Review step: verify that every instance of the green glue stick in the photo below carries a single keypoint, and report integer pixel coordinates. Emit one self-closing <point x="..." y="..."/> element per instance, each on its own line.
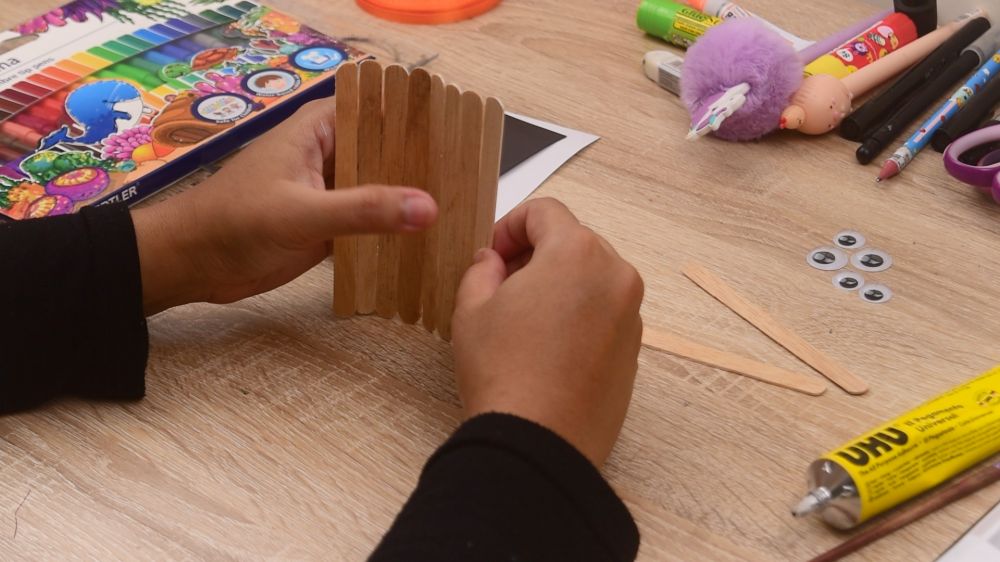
<point x="673" y="22"/>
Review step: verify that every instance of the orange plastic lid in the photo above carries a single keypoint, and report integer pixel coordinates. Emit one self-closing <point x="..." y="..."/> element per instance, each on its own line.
<point x="427" y="11"/>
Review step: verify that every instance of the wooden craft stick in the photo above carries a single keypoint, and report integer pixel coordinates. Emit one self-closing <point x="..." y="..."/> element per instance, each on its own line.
<point x="466" y="186"/>
<point x="489" y="173"/>
<point x="929" y="502"/>
<point x="413" y="130"/>
<point x="346" y="176"/>
<point x="435" y="178"/>
<point x="780" y="334"/>
<point x="395" y="86"/>
<point x="369" y="171"/>
<point x="449" y="204"/>
<point x="732" y="362"/>
<point x="417" y="154"/>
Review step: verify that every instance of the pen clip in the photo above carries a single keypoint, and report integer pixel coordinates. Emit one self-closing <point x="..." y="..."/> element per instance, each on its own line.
<point x="722" y="108"/>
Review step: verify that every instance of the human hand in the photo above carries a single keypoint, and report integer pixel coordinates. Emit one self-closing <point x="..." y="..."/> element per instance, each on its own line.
<point x="264" y="219"/>
<point x="547" y="328"/>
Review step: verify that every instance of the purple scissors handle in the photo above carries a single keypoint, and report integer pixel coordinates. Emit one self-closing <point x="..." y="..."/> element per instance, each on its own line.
<point x="986" y="177"/>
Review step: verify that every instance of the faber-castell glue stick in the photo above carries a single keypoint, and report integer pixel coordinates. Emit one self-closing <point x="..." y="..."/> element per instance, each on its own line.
<point x="907" y="456"/>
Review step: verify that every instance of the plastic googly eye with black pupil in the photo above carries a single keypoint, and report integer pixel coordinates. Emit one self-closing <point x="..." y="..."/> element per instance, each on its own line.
<point x="875" y="293"/>
<point x="848" y="281"/>
<point x="827" y="258"/>
<point x="849" y="239"/>
<point x="871" y="260"/>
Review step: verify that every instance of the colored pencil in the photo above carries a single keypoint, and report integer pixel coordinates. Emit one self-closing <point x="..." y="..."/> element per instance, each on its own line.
<point x="166" y="31"/>
<point x="922" y="137"/>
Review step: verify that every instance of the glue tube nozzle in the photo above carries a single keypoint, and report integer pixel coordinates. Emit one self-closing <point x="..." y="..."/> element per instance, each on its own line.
<point x="812" y="501"/>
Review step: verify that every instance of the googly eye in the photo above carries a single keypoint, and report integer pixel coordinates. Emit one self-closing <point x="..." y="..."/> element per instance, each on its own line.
<point x="849" y="239"/>
<point x="827" y="258"/>
<point x="871" y="260"/>
<point x="875" y="293"/>
<point x="848" y="281"/>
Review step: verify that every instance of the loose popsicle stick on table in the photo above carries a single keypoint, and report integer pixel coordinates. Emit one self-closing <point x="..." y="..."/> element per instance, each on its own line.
<point x="409" y="279"/>
<point x="732" y="362"/>
<point x="345" y="248"/>
<point x="435" y="179"/>
<point x="369" y="171"/>
<point x="780" y="334"/>
<point x="395" y="86"/>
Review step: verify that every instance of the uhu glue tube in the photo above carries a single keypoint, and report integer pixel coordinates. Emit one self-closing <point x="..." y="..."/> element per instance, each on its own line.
<point x="907" y="456"/>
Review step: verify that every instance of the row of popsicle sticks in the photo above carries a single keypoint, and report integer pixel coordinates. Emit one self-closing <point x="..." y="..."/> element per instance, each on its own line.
<point x="400" y="128"/>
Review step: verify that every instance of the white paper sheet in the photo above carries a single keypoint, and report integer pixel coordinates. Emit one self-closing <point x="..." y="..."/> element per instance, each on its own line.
<point x="517" y="184"/>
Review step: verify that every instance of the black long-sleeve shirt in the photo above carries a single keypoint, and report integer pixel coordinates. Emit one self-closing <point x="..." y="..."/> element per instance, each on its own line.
<point x="501" y="488"/>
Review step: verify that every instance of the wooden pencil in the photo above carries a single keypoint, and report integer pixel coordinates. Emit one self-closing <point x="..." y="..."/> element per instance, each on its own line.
<point x="784" y="337"/>
<point x="417" y="154"/>
<point x="369" y="171"/>
<point x="345" y="177"/>
<point x="489" y="173"/>
<point x="933" y="500"/>
<point x="732" y="362"/>
<point x="395" y="95"/>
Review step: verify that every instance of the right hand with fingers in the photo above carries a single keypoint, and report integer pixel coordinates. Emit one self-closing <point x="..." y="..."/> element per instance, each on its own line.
<point x="547" y="328"/>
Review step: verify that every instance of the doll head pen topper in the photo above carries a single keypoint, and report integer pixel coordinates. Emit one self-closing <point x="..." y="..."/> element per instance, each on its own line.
<point x="739" y="76"/>
<point x="823" y="101"/>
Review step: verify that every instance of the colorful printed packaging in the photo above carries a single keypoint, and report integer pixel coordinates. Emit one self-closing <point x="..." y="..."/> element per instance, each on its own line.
<point x="894" y="32"/>
<point x="108" y="100"/>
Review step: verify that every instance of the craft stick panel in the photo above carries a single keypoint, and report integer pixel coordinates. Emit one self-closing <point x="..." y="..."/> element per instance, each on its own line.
<point x="411" y="258"/>
<point x="369" y="172"/>
<point x="345" y="248"/>
<point x="414" y="130"/>
<point x="435" y="177"/>
<point x="397" y="83"/>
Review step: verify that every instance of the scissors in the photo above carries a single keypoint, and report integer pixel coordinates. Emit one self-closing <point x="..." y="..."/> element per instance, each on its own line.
<point x="981" y="148"/>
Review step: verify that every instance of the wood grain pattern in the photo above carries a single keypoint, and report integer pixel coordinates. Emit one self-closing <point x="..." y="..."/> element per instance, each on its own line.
<point x="764" y="322"/>
<point x="683" y="347"/>
<point x="435" y="180"/>
<point x="449" y="202"/>
<point x="345" y="248"/>
<point x="369" y="172"/>
<point x="395" y="95"/>
<point x="461" y="237"/>
<point x="489" y="173"/>
<point x="415" y="175"/>
<point x="272" y="432"/>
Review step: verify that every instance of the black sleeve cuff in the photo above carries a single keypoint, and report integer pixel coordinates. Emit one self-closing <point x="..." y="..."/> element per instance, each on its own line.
<point x="74" y="321"/>
<point x="506" y="488"/>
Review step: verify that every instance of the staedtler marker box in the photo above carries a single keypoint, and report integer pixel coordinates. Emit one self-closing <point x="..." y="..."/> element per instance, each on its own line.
<point x="113" y="101"/>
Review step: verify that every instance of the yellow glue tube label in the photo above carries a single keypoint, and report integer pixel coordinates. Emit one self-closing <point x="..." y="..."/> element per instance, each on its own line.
<point x="925" y="446"/>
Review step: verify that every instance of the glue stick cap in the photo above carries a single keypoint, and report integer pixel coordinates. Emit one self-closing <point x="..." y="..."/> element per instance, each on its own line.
<point x="656" y="17"/>
<point x="427" y="11"/>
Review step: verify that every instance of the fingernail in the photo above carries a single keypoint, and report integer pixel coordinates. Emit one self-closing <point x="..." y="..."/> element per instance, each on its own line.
<point x="418" y="210"/>
<point x="480" y="255"/>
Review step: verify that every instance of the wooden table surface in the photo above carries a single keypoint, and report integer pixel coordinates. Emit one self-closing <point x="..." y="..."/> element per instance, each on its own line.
<point x="272" y="431"/>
